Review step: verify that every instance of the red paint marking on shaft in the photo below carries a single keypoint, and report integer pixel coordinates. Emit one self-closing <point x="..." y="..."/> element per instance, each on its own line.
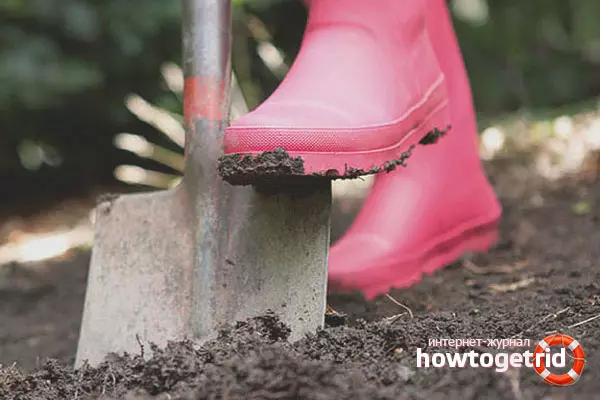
<point x="203" y="99"/>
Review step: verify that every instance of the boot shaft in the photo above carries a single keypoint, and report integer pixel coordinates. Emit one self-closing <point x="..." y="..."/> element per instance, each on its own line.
<point x="384" y="42"/>
<point x="447" y="50"/>
<point x="383" y="19"/>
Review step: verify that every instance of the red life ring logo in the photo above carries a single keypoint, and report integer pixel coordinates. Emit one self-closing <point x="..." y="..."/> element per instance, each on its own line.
<point x="578" y="355"/>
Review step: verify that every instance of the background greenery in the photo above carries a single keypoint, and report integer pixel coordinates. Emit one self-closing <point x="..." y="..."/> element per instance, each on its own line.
<point x="66" y="67"/>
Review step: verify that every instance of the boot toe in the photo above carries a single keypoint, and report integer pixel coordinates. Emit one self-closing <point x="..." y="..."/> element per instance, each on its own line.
<point x="358" y="261"/>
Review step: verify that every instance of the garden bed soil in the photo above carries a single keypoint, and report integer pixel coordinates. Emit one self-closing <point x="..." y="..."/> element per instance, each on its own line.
<point x="543" y="276"/>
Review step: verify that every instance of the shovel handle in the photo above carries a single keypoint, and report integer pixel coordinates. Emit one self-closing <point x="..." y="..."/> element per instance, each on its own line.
<point x="206" y="61"/>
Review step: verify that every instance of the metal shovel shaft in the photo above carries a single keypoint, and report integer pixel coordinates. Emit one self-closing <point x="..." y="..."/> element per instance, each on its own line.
<point x="206" y="40"/>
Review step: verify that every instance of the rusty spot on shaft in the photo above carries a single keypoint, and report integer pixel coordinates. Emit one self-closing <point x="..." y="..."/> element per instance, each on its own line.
<point x="204" y="98"/>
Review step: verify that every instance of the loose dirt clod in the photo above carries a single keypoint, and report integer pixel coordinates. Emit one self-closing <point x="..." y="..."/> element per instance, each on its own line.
<point x="334" y="318"/>
<point x="433" y="136"/>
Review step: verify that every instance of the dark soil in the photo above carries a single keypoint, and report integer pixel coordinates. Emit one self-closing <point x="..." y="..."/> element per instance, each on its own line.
<point x="543" y="276"/>
<point x="277" y="169"/>
<point x="239" y="168"/>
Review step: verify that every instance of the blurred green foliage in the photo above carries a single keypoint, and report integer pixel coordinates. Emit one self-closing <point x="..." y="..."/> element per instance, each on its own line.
<point x="67" y="65"/>
<point x="65" y="68"/>
<point x="530" y="54"/>
<point x="55" y="48"/>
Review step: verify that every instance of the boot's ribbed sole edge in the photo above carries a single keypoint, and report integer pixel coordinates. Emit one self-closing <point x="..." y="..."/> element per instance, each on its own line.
<point x="280" y="167"/>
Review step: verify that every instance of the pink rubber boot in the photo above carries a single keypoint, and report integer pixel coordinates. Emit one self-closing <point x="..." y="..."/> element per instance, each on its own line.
<point x="365" y="88"/>
<point x="423" y="217"/>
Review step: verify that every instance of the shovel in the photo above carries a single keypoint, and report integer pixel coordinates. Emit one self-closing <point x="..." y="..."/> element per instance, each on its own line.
<point x="181" y="264"/>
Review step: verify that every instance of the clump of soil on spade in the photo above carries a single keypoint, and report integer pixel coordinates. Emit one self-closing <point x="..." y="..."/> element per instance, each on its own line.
<point x="542" y="277"/>
<point x="277" y="168"/>
<point x="243" y="169"/>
